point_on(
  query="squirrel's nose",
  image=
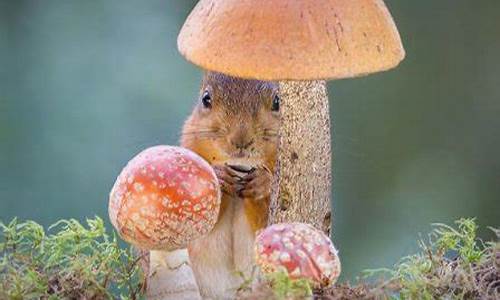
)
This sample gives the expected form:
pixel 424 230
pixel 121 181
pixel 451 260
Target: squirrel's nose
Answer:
pixel 239 139
pixel 242 144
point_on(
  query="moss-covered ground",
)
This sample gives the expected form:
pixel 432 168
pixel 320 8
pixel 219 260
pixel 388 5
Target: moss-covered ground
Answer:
pixel 74 261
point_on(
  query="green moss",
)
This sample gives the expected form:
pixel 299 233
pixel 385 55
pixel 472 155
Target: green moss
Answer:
pixel 75 261
pixel 69 261
pixel 452 264
pixel 285 288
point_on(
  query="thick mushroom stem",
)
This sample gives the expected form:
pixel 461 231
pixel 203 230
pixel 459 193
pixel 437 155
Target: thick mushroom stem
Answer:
pixel 302 184
pixel 171 277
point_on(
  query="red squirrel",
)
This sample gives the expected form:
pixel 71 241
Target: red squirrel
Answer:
pixel 234 126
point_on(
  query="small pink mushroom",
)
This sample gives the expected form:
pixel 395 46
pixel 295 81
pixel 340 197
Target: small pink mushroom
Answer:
pixel 165 197
pixel 299 249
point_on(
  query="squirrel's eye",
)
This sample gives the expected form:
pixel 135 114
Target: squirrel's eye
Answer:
pixel 276 103
pixel 206 99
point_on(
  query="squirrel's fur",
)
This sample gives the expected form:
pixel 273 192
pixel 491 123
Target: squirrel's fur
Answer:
pixel 239 126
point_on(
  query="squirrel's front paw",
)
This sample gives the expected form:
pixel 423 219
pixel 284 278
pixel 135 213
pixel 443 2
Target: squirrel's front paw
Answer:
pixel 230 181
pixel 256 184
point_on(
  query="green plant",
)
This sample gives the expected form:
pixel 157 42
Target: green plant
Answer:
pixel 69 261
pixel 277 285
pixel 73 261
pixel 285 288
pixel 453 264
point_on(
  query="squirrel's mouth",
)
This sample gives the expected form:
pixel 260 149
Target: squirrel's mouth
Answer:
pixel 241 154
pixel 243 161
pixel 241 158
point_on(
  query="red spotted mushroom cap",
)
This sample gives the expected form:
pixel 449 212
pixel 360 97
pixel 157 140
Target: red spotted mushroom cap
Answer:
pixel 165 197
pixel 299 249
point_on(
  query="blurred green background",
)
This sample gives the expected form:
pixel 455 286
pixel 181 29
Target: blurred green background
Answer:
pixel 85 85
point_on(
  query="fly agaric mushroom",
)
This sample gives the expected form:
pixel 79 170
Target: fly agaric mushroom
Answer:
pixel 164 198
pixel 307 41
pixel 301 250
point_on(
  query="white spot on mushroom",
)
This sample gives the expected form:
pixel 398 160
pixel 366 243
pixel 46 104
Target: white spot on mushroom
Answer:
pixel 301 253
pixel 275 255
pixel 285 257
pixel 289 245
pixel 138 187
pixel 146 211
pixel 296 272
pixel 279 227
pixel 276 238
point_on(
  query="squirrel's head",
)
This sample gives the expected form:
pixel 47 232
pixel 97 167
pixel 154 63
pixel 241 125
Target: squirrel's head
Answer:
pixel 235 121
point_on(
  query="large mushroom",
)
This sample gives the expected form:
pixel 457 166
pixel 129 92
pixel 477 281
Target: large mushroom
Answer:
pixel 300 44
pixel 164 198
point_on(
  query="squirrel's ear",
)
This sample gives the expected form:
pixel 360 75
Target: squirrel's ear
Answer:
pixel 205 79
pixel 207 76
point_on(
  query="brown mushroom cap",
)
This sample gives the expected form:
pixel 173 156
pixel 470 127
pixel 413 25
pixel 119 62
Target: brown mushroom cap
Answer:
pixel 291 40
pixel 165 197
